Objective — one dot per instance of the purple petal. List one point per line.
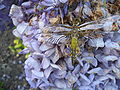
(38, 73)
(85, 68)
(47, 3)
(76, 70)
(48, 71)
(45, 47)
(55, 66)
(60, 84)
(71, 78)
(57, 55)
(59, 74)
(32, 63)
(32, 83)
(35, 45)
(85, 78)
(26, 4)
(22, 27)
(45, 62)
(63, 1)
(49, 52)
(94, 70)
(80, 61)
(91, 77)
(69, 63)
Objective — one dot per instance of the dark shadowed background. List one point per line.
(12, 75)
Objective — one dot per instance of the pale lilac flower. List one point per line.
(48, 66)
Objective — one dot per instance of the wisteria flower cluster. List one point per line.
(73, 44)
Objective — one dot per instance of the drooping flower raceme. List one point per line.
(63, 57)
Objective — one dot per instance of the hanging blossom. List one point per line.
(53, 8)
(50, 64)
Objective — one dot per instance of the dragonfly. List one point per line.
(76, 33)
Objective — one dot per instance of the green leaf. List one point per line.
(26, 56)
(18, 46)
(14, 28)
(12, 49)
(18, 50)
(17, 55)
(16, 41)
(1, 84)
